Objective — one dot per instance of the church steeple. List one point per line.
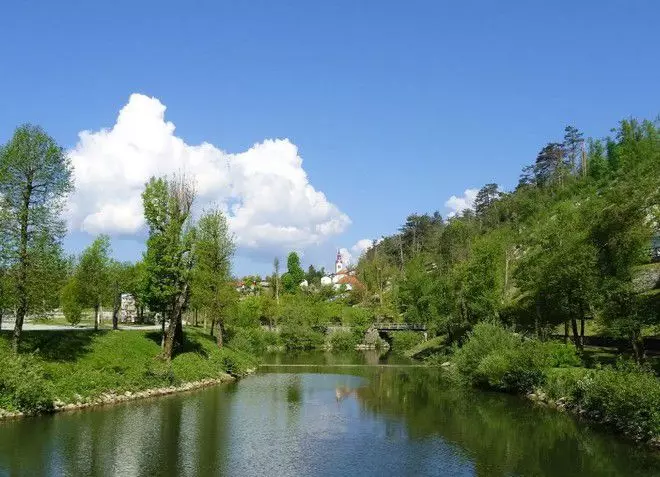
(339, 264)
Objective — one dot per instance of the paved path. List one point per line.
(9, 325)
(343, 366)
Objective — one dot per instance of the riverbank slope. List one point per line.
(68, 369)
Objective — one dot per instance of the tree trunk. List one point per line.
(537, 318)
(576, 336)
(97, 317)
(174, 335)
(21, 283)
(162, 330)
(565, 331)
(115, 315)
(582, 320)
(221, 331)
(1, 316)
(212, 327)
(638, 346)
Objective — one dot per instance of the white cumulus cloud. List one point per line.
(457, 205)
(265, 191)
(356, 251)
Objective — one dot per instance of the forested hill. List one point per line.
(566, 245)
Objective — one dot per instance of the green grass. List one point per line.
(426, 348)
(71, 365)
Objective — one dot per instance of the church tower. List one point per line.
(339, 265)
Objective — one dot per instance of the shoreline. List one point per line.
(111, 398)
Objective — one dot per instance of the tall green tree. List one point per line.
(93, 276)
(35, 178)
(211, 273)
(294, 274)
(168, 259)
(486, 196)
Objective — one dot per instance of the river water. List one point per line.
(330, 419)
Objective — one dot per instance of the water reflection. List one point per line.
(347, 421)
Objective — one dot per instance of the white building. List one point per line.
(342, 277)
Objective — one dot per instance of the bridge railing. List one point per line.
(399, 326)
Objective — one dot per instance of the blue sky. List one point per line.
(394, 106)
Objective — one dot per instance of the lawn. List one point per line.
(77, 364)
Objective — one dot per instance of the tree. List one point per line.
(35, 178)
(70, 301)
(213, 249)
(168, 259)
(294, 274)
(313, 275)
(276, 279)
(486, 196)
(550, 167)
(572, 145)
(92, 275)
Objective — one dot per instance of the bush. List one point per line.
(23, 385)
(561, 355)
(494, 357)
(484, 339)
(71, 306)
(301, 337)
(343, 340)
(625, 397)
(404, 340)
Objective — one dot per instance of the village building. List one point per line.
(343, 277)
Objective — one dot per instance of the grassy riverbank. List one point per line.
(625, 397)
(80, 366)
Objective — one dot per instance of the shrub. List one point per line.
(404, 340)
(356, 316)
(626, 397)
(561, 355)
(484, 339)
(70, 303)
(23, 385)
(496, 358)
(301, 337)
(343, 340)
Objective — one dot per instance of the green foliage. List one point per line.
(253, 341)
(35, 178)
(560, 355)
(24, 385)
(70, 301)
(294, 274)
(212, 291)
(625, 397)
(167, 261)
(404, 340)
(301, 337)
(93, 273)
(494, 357)
(78, 365)
(343, 340)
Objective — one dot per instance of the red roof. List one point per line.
(349, 280)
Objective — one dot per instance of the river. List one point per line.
(342, 416)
